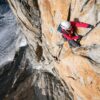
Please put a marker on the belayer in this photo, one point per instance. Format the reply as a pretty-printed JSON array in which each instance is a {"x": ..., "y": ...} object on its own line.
[{"x": 68, "y": 30}]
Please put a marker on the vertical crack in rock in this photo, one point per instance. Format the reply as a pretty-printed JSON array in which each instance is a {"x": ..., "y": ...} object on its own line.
[
  {"x": 39, "y": 52},
  {"x": 69, "y": 13}
]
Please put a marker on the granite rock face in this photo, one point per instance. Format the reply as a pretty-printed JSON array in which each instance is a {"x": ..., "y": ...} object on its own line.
[{"x": 42, "y": 66}]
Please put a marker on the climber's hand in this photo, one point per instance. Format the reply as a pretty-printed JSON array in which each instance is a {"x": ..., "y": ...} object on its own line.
[
  {"x": 91, "y": 26},
  {"x": 79, "y": 39},
  {"x": 80, "y": 36}
]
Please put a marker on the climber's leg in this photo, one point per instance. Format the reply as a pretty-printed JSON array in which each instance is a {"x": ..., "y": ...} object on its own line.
[{"x": 73, "y": 43}]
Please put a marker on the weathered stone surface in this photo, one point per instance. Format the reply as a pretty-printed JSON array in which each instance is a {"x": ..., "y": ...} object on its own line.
[
  {"x": 49, "y": 70},
  {"x": 41, "y": 85},
  {"x": 7, "y": 35}
]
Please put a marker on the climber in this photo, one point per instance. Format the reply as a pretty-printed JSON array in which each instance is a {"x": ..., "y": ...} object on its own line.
[{"x": 68, "y": 31}]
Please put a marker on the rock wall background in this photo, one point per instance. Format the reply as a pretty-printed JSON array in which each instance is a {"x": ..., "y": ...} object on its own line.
[{"x": 42, "y": 65}]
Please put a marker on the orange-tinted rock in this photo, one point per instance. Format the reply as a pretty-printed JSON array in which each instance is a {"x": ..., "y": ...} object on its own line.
[{"x": 77, "y": 71}]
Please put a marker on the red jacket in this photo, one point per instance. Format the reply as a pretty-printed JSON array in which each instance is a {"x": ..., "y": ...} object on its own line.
[{"x": 69, "y": 35}]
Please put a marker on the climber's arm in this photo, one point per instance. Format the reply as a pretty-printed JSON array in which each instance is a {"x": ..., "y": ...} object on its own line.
[{"x": 82, "y": 24}]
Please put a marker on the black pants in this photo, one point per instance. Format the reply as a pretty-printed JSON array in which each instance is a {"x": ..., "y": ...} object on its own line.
[{"x": 73, "y": 43}]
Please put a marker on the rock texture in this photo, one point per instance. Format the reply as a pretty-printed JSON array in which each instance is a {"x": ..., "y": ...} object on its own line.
[
  {"x": 43, "y": 67},
  {"x": 7, "y": 41}
]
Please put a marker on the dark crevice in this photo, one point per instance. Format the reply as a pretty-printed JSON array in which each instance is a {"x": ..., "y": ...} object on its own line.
[
  {"x": 61, "y": 47},
  {"x": 25, "y": 4},
  {"x": 69, "y": 13},
  {"x": 39, "y": 52},
  {"x": 71, "y": 77},
  {"x": 91, "y": 60},
  {"x": 35, "y": 3},
  {"x": 56, "y": 58}
]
